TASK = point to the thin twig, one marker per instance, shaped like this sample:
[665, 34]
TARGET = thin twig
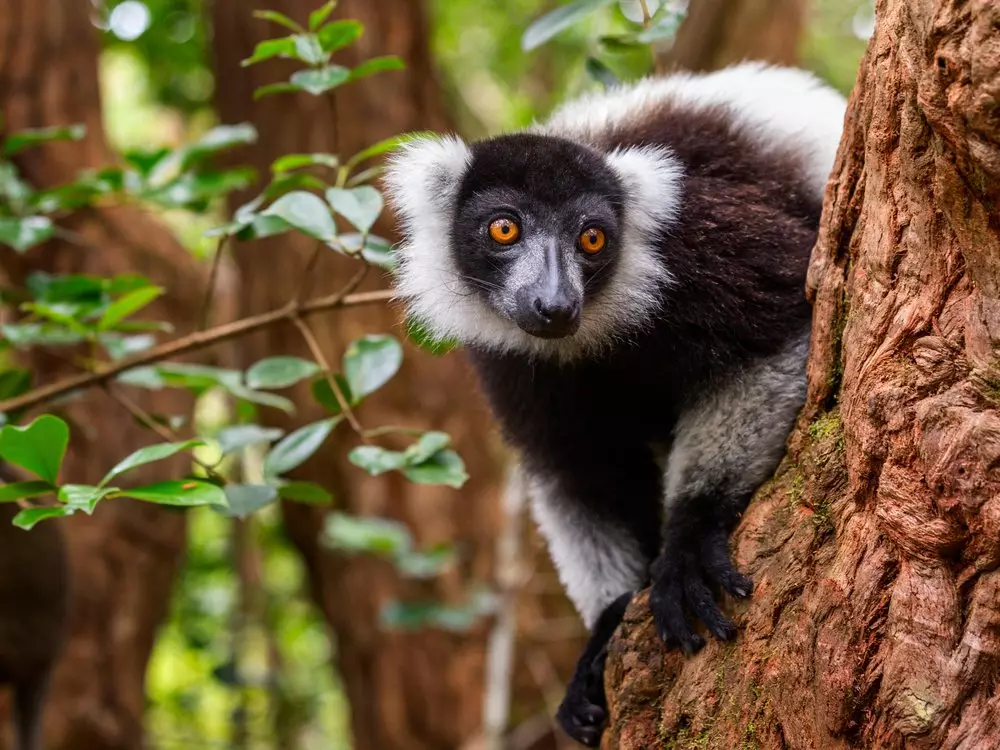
[213, 276]
[305, 279]
[317, 352]
[500, 650]
[163, 431]
[646, 15]
[192, 343]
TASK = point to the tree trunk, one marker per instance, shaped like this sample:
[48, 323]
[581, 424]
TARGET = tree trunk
[123, 559]
[717, 33]
[874, 622]
[407, 691]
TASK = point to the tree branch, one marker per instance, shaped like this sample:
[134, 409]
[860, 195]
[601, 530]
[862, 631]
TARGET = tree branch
[191, 343]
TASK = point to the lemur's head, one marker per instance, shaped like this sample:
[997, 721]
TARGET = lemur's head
[531, 242]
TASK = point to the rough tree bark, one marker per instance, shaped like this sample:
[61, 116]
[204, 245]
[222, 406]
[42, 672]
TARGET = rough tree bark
[874, 622]
[407, 691]
[716, 33]
[123, 559]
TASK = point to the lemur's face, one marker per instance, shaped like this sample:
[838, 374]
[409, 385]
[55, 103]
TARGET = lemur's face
[536, 230]
[532, 243]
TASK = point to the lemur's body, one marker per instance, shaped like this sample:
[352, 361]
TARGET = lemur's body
[646, 420]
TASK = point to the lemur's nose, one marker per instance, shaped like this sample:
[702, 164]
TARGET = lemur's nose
[558, 315]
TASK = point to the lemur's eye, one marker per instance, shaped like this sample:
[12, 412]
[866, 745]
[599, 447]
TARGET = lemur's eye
[592, 240]
[504, 231]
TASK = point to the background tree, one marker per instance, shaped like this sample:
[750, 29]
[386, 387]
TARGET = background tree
[124, 558]
[406, 689]
[874, 549]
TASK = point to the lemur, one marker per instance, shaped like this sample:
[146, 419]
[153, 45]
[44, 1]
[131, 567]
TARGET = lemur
[628, 278]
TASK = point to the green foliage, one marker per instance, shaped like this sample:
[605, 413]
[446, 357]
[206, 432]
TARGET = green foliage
[426, 461]
[38, 447]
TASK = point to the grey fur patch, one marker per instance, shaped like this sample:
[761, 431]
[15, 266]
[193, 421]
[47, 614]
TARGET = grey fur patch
[731, 441]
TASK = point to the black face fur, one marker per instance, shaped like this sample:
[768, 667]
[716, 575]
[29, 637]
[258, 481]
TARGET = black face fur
[552, 191]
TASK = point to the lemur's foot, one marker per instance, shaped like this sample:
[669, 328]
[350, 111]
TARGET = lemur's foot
[682, 579]
[584, 709]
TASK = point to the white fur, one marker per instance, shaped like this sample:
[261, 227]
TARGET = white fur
[596, 561]
[421, 183]
[784, 109]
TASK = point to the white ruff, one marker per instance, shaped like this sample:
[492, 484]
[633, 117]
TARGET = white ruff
[422, 180]
[783, 111]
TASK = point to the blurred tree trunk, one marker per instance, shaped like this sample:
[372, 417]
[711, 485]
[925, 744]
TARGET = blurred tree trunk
[407, 690]
[716, 33]
[123, 559]
[874, 623]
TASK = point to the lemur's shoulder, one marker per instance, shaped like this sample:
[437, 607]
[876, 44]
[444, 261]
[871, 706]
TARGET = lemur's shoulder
[778, 112]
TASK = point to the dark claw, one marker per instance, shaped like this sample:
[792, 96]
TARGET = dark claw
[719, 566]
[666, 600]
[581, 719]
[701, 603]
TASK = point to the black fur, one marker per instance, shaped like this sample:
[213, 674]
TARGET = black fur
[738, 255]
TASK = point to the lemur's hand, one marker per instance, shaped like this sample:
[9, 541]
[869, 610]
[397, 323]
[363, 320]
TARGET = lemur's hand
[682, 577]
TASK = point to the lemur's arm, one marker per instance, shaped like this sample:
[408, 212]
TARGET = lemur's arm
[725, 447]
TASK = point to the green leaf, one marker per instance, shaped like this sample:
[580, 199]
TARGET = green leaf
[325, 396]
[280, 372]
[308, 49]
[319, 15]
[83, 497]
[179, 493]
[664, 25]
[275, 88]
[375, 250]
[20, 490]
[219, 138]
[421, 335]
[118, 346]
[376, 460]
[278, 18]
[445, 467]
[14, 382]
[339, 34]
[370, 363]
[28, 517]
[149, 454]
[412, 616]
[23, 233]
[304, 492]
[376, 65]
[601, 73]
[124, 306]
[231, 439]
[297, 161]
[39, 334]
[263, 398]
[426, 446]
[559, 20]
[306, 212]
[381, 536]
[297, 447]
[384, 146]
[283, 47]
[320, 80]
[426, 564]
[361, 205]
[246, 499]
[38, 447]
[619, 44]
[23, 139]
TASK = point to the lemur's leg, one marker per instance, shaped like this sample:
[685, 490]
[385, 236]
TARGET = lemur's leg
[602, 560]
[724, 448]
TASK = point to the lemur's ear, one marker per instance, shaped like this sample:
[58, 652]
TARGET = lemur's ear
[651, 176]
[421, 182]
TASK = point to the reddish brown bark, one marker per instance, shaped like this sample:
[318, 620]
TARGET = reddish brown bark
[123, 559]
[875, 549]
[407, 690]
[716, 33]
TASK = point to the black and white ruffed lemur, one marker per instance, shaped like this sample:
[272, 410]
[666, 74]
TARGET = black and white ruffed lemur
[628, 279]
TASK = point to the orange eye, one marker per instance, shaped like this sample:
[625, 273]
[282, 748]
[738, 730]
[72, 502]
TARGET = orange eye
[504, 231]
[592, 240]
